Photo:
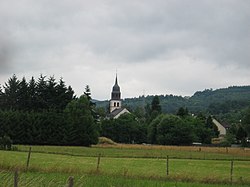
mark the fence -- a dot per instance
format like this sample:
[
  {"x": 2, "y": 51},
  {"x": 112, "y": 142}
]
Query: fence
[{"x": 70, "y": 181}]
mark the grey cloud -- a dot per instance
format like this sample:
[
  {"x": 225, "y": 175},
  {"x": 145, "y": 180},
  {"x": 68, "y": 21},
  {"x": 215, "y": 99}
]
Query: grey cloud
[
  {"x": 46, "y": 35},
  {"x": 138, "y": 31},
  {"x": 6, "y": 52}
]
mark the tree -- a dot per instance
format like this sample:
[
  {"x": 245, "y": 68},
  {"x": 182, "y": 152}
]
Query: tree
[
  {"x": 87, "y": 92},
  {"x": 83, "y": 130},
  {"x": 182, "y": 112},
  {"x": 246, "y": 121},
  {"x": 155, "y": 105},
  {"x": 41, "y": 93},
  {"x": 173, "y": 131},
  {"x": 92, "y": 105},
  {"x": 170, "y": 130},
  {"x": 210, "y": 125},
  {"x": 152, "y": 130},
  {"x": 11, "y": 89},
  {"x": 23, "y": 95},
  {"x": 202, "y": 133},
  {"x": 5, "y": 143},
  {"x": 32, "y": 93},
  {"x": 155, "y": 109},
  {"x": 51, "y": 93},
  {"x": 1, "y": 98},
  {"x": 241, "y": 134},
  {"x": 125, "y": 129},
  {"x": 62, "y": 95}
]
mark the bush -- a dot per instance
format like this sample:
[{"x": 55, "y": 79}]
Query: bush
[
  {"x": 5, "y": 143},
  {"x": 104, "y": 140}
]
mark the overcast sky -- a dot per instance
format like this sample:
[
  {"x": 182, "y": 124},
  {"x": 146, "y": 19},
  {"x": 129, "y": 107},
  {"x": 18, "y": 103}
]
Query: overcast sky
[{"x": 157, "y": 46}]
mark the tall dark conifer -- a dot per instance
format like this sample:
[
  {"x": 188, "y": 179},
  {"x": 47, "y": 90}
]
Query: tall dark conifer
[
  {"x": 41, "y": 93},
  {"x": 23, "y": 95},
  {"x": 1, "y": 98},
  {"x": 11, "y": 89},
  {"x": 32, "y": 92},
  {"x": 51, "y": 94}
]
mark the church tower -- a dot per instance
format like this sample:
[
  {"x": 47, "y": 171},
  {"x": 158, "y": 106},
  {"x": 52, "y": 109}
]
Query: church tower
[{"x": 115, "y": 102}]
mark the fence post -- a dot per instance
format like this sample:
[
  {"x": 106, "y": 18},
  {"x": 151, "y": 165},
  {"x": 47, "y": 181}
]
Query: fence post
[
  {"x": 167, "y": 165},
  {"x": 98, "y": 162},
  {"x": 16, "y": 178},
  {"x": 231, "y": 172},
  {"x": 71, "y": 181},
  {"x": 28, "y": 159}
]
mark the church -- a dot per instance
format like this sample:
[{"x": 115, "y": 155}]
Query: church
[{"x": 115, "y": 104}]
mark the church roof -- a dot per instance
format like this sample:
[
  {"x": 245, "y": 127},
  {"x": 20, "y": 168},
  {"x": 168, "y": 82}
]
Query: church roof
[
  {"x": 116, "y": 87},
  {"x": 117, "y": 112}
]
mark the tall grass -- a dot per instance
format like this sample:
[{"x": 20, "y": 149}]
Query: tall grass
[{"x": 35, "y": 179}]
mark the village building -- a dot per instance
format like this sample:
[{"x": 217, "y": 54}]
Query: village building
[
  {"x": 222, "y": 130},
  {"x": 115, "y": 103}
]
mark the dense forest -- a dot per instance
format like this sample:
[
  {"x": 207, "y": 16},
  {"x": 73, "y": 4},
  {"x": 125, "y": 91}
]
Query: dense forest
[{"x": 46, "y": 112}]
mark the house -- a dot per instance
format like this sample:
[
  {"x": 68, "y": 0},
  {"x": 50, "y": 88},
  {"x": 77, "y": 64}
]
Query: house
[
  {"x": 222, "y": 130},
  {"x": 115, "y": 104}
]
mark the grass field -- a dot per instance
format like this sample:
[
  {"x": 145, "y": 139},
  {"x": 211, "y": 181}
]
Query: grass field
[
  {"x": 126, "y": 165},
  {"x": 147, "y": 151},
  {"x": 33, "y": 179}
]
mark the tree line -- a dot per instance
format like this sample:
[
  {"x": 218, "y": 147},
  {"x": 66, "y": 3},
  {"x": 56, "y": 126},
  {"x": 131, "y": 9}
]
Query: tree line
[
  {"x": 155, "y": 127},
  {"x": 32, "y": 95},
  {"x": 226, "y": 103},
  {"x": 46, "y": 112}
]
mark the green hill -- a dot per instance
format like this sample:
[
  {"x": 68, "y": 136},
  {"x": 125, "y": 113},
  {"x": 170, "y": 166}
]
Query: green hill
[{"x": 221, "y": 102}]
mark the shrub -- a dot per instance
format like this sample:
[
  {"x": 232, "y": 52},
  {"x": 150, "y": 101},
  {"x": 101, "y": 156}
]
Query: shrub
[
  {"x": 104, "y": 140},
  {"x": 5, "y": 143}
]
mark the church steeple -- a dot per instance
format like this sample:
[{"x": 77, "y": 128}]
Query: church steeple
[
  {"x": 116, "y": 93},
  {"x": 115, "y": 102}
]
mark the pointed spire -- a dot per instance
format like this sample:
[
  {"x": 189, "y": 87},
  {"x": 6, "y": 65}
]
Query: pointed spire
[
  {"x": 116, "y": 93},
  {"x": 116, "y": 82}
]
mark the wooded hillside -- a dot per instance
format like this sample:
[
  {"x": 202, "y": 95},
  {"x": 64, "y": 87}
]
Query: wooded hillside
[{"x": 221, "y": 102}]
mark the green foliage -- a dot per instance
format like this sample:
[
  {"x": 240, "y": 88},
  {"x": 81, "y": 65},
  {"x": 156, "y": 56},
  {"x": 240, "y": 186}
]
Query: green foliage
[
  {"x": 226, "y": 103},
  {"x": 175, "y": 130},
  {"x": 125, "y": 129},
  {"x": 25, "y": 127},
  {"x": 241, "y": 135},
  {"x": 35, "y": 96},
  {"x": 155, "y": 105},
  {"x": 170, "y": 130},
  {"x": 152, "y": 129},
  {"x": 34, "y": 113},
  {"x": 5, "y": 143},
  {"x": 182, "y": 112},
  {"x": 246, "y": 121},
  {"x": 82, "y": 128}
]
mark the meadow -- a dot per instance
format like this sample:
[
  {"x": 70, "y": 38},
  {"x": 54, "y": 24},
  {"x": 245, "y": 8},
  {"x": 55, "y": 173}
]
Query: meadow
[{"x": 141, "y": 165}]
